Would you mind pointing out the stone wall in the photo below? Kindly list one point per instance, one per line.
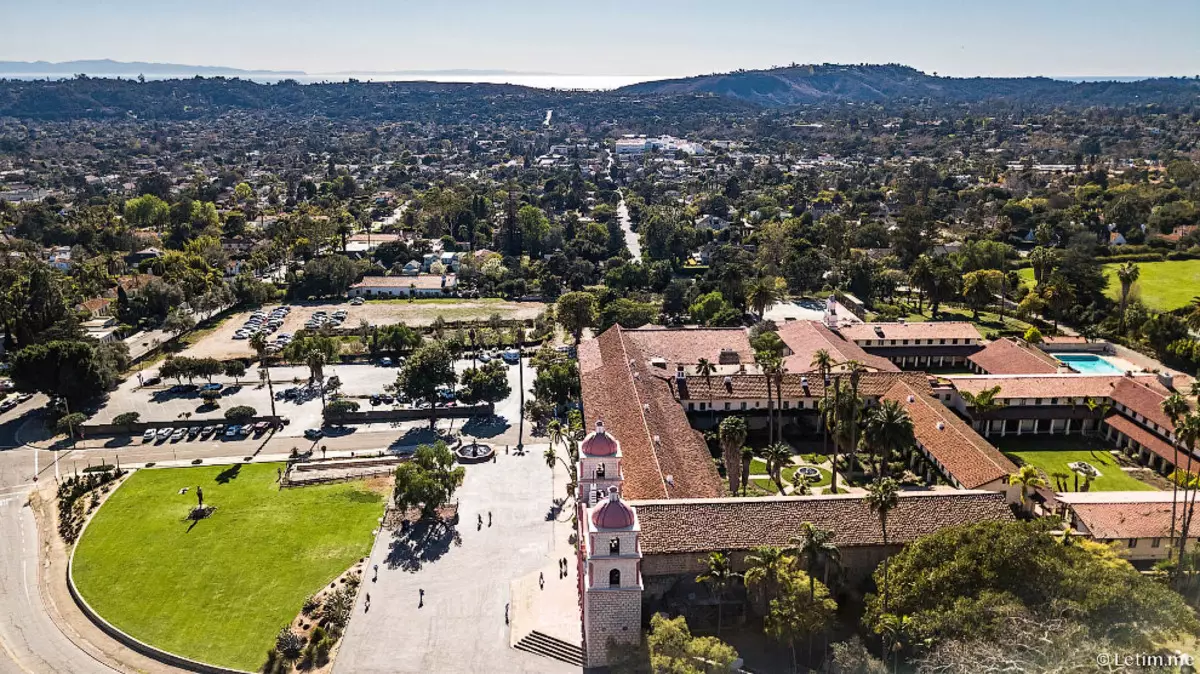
(611, 615)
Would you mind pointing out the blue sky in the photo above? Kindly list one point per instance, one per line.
(617, 37)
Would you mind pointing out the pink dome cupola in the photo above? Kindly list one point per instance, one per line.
(599, 443)
(613, 513)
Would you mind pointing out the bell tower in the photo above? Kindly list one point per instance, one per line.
(611, 582)
(599, 466)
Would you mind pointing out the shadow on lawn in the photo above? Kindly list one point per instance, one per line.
(229, 474)
(420, 543)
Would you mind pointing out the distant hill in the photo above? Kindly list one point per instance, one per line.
(802, 85)
(101, 67)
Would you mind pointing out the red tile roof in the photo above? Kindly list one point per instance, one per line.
(1145, 438)
(922, 330)
(1042, 386)
(1014, 356)
(754, 386)
(422, 281)
(963, 453)
(620, 389)
(688, 345)
(729, 524)
(1143, 400)
(1115, 521)
(805, 338)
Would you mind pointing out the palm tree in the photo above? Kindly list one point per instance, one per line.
(762, 294)
(705, 368)
(777, 455)
(1127, 274)
(824, 362)
(920, 273)
(854, 409)
(1042, 260)
(770, 362)
(1193, 317)
(816, 546)
(258, 342)
(1028, 476)
(889, 429)
(982, 403)
(766, 569)
(1175, 407)
(882, 497)
(732, 434)
(1188, 431)
(747, 459)
(719, 577)
(896, 630)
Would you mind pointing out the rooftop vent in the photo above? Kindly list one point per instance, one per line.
(911, 399)
(941, 425)
(670, 480)
(729, 357)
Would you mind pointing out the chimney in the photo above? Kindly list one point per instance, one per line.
(599, 427)
(613, 497)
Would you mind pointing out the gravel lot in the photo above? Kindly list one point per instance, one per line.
(221, 344)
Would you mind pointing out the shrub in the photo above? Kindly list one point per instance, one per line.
(102, 468)
(240, 414)
(289, 644)
(310, 605)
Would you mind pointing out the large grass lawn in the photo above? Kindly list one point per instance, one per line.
(219, 591)
(1161, 286)
(1054, 454)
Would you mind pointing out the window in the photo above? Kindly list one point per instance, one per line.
(691, 407)
(785, 404)
(1054, 401)
(1155, 542)
(1037, 401)
(614, 578)
(954, 341)
(1132, 543)
(905, 342)
(614, 546)
(744, 404)
(726, 407)
(600, 472)
(941, 341)
(702, 406)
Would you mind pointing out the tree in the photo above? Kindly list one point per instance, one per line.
(341, 407)
(430, 368)
(178, 322)
(964, 582)
(815, 545)
(983, 402)
(126, 419)
(920, 275)
(889, 430)
(575, 312)
(1028, 477)
(799, 612)
(719, 577)
(777, 456)
(235, 369)
(1175, 407)
(714, 309)
(979, 289)
(767, 567)
(488, 384)
(395, 339)
(673, 649)
(147, 212)
(557, 380)
(824, 363)
(240, 414)
(1033, 335)
(1127, 274)
(73, 370)
(732, 434)
(762, 294)
(69, 424)
(882, 497)
(428, 480)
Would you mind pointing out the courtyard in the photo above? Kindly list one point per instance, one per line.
(1053, 455)
(219, 589)
(444, 597)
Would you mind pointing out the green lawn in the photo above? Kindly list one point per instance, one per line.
(1162, 286)
(219, 591)
(1052, 455)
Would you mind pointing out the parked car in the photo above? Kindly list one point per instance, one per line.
(385, 399)
(313, 434)
(22, 397)
(178, 434)
(164, 433)
(512, 356)
(148, 436)
(357, 301)
(152, 380)
(8, 404)
(193, 432)
(207, 431)
(215, 386)
(385, 362)
(232, 431)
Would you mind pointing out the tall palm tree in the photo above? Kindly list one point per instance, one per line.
(770, 362)
(762, 294)
(824, 362)
(705, 368)
(777, 455)
(1127, 274)
(747, 459)
(1028, 477)
(766, 569)
(732, 435)
(259, 343)
(920, 273)
(982, 403)
(830, 421)
(896, 630)
(719, 577)
(1187, 430)
(854, 409)
(882, 498)
(1175, 407)
(889, 429)
(816, 546)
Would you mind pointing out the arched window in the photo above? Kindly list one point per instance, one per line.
(600, 472)
(614, 578)
(614, 546)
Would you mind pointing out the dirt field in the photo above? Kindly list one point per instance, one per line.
(221, 344)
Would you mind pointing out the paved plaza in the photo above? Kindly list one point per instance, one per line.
(468, 573)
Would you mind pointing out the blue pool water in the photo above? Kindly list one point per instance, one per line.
(1089, 364)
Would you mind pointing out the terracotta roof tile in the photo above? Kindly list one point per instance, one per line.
(637, 407)
(754, 386)
(1141, 399)
(1145, 438)
(1013, 356)
(1042, 386)
(805, 338)
(700, 526)
(1114, 521)
(923, 330)
(687, 346)
(964, 454)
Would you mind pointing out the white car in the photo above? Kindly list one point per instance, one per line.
(148, 436)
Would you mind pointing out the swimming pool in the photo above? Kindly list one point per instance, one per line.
(1088, 364)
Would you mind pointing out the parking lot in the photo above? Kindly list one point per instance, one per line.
(220, 343)
(160, 403)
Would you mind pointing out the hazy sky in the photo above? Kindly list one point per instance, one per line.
(617, 37)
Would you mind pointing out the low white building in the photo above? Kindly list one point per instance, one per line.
(425, 285)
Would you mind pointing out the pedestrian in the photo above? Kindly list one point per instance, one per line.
(376, 574)
(541, 580)
(506, 614)
(489, 519)
(506, 450)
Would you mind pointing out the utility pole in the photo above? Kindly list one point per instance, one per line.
(521, 386)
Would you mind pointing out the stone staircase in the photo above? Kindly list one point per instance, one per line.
(550, 647)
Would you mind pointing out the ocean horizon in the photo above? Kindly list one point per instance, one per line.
(538, 81)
